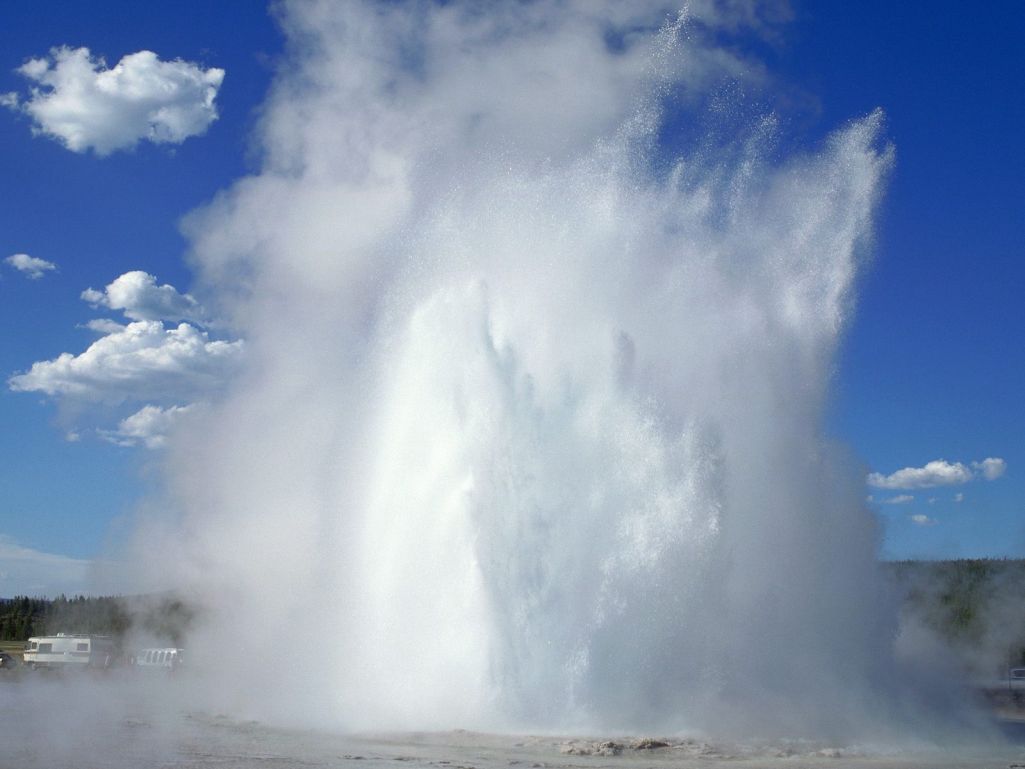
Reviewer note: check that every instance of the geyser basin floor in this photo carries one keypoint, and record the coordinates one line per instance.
(212, 741)
(145, 724)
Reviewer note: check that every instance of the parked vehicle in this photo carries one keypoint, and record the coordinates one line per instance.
(165, 659)
(63, 651)
(1015, 684)
(8, 661)
(1007, 686)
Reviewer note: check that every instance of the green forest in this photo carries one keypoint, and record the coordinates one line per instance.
(162, 617)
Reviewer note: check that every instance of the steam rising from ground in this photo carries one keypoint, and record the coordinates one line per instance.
(530, 434)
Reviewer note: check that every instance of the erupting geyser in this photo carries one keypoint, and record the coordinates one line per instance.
(530, 434)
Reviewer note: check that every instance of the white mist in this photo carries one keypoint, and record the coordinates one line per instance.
(531, 430)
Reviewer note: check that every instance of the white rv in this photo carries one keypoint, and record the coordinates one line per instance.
(167, 659)
(69, 651)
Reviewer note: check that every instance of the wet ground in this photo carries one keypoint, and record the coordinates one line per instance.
(80, 724)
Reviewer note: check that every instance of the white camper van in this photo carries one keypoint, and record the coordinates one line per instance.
(69, 651)
(167, 659)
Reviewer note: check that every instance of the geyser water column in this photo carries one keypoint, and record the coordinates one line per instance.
(530, 434)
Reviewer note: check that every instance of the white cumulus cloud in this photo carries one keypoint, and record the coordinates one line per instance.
(138, 296)
(148, 426)
(921, 519)
(147, 372)
(991, 468)
(142, 361)
(78, 101)
(939, 472)
(31, 266)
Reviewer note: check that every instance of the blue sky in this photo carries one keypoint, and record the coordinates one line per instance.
(96, 218)
(932, 368)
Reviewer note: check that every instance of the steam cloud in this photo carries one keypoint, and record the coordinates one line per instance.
(529, 433)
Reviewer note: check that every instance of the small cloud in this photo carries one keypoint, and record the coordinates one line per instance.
(932, 500)
(900, 499)
(923, 520)
(939, 472)
(991, 468)
(84, 105)
(138, 296)
(149, 426)
(30, 266)
(959, 497)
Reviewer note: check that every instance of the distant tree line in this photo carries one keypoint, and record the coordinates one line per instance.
(20, 616)
(157, 616)
(977, 606)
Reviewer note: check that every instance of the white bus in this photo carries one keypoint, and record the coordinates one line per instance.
(69, 651)
(166, 659)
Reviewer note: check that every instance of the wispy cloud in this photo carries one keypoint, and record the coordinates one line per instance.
(148, 426)
(900, 499)
(921, 519)
(84, 105)
(24, 571)
(30, 266)
(939, 472)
